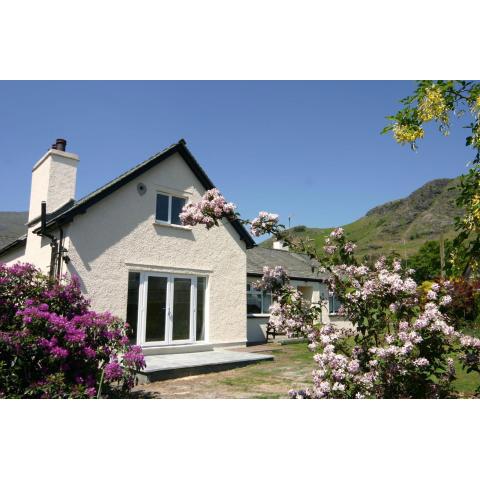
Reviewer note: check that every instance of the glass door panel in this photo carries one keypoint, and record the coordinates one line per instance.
(156, 309)
(181, 309)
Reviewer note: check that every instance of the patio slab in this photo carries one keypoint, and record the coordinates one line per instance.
(175, 365)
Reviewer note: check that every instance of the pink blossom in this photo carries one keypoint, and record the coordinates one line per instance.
(337, 233)
(208, 211)
(264, 223)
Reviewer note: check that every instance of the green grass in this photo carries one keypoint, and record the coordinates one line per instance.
(292, 368)
(467, 383)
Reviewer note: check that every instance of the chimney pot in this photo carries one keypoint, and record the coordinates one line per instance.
(60, 144)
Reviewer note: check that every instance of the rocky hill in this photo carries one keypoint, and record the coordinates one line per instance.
(401, 225)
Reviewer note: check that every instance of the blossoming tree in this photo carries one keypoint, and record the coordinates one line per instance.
(402, 343)
(53, 346)
(437, 102)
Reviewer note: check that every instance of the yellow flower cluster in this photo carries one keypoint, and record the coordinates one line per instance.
(471, 220)
(476, 136)
(407, 133)
(433, 106)
(476, 207)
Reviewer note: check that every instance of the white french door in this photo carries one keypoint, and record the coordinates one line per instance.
(167, 309)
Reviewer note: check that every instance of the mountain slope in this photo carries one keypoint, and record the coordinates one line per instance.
(401, 225)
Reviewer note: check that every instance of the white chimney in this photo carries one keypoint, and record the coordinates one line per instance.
(279, 245)
(54, 179)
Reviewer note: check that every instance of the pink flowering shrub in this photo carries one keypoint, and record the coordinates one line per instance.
(264, 223)
(273, 278)
(208, 211)
(289, 312)
(402, 343)
(213, 207)
(53, 346)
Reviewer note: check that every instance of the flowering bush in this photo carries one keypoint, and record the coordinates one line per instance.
(464, 307)
(290, 312)
(402, 343)
(436, 101)
(53, 346)
(208, 211)
(272, 279)
(264, 223)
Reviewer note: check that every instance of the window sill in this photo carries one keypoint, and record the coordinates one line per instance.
(171, 225)
(258, 315)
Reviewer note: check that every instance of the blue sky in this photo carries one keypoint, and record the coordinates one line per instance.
(307, 149)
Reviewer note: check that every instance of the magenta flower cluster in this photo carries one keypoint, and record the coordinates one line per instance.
(52, 345)
(208, 211)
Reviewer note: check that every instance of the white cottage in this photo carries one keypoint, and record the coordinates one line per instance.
(181, 288)
(304, 274)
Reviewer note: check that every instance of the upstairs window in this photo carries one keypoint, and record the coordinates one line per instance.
(169, 208)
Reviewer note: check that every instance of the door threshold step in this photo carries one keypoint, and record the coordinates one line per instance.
(177, 349)
(162, 367)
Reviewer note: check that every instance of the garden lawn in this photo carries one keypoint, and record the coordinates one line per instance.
(292, 368)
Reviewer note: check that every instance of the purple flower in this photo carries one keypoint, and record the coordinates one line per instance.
(89, 352)
(113, 371)
(59, 352)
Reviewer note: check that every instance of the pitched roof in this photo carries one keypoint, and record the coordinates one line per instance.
(66, 213)
(12, 225)
(297, 265)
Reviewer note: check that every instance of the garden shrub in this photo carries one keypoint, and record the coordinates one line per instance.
(465, 305)
(403, 343)
(53, 346)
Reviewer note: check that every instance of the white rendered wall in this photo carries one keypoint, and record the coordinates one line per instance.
(13, 256)
(119, 234)
(54, 179)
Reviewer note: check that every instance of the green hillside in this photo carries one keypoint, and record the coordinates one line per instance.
(401, 225)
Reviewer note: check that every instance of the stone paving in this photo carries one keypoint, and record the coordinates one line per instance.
(181, 364)
(197, 359)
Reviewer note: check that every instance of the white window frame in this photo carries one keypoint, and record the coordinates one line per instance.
(262, 293)
(334, 300)
(142, 310)
(170, 196)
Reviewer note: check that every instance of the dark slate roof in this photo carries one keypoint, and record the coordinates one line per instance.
(64, 215)
(297, 265)
(16, 243)
(12, 225)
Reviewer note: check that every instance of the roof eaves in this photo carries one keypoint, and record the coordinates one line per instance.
(16, 243)
(180, 147)
(292, 277)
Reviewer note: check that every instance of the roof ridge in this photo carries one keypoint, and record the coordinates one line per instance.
(180, 147)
